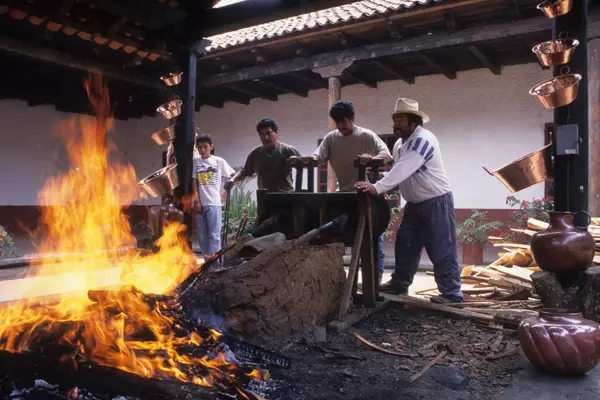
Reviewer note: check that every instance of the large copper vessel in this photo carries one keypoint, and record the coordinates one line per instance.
(558, 91)
(528, 170)
(561, 342)
(563, 248)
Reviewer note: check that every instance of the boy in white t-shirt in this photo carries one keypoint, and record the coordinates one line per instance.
(209, 174)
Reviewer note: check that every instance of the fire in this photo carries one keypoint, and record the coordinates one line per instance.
(105, 313)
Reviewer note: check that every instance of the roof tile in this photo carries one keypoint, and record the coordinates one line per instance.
(356, 11)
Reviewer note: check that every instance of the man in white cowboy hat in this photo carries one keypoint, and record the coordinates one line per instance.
(428, 218)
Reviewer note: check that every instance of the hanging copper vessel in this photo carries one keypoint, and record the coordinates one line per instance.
(555, 52)
(171, 109)
(558, 91)
(172, 79)
(555, 8)
(164, 136)
(161, 182)
(528, 170)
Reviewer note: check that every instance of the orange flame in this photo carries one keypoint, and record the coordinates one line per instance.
(116, 325)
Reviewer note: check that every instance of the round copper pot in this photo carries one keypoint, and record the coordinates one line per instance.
(164, 136)
(159, 215)
(561, 342)
(555, 8)
(555, 52)
(172, 79)
(161, 182)
(558, 91)
(171, 109)
(563, 248)
(528, 170)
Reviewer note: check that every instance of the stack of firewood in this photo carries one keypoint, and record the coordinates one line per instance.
(509, 277)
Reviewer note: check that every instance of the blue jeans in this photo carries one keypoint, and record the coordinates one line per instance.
(208, 229)
(381, 255)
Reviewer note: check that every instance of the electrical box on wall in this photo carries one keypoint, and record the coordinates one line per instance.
(567, 140)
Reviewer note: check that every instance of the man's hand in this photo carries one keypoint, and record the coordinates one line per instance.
(229, 185)
(364, 158)
(366, 187)
(196, 206)
(294, 159)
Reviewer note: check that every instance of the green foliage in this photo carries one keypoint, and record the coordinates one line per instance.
(7, 244)
(241, 207)
(517, 219)
(476, 228)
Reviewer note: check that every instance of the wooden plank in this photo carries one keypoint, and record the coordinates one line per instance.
(448, 72)
(522, 274)
(383, 49)
(485, 60)
(367, 256)
(358, 238)
(427, 305)
(537, 224)
(355, 317)
(394, 71)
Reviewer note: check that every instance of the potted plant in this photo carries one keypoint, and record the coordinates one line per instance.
(472, 233)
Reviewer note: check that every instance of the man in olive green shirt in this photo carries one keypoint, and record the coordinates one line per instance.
(268, 161)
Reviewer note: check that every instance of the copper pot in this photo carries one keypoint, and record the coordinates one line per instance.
(161, 182)
(558, 91)
(172, 79)
(563, 248)
(164, 136)
(171, 109)
(561, 342)
(555, 52)
(159, 215)
(555, 8)
(526, 171)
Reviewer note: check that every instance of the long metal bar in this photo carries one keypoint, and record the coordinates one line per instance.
(571, 172)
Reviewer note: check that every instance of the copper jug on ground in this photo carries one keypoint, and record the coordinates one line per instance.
(561, 342)
(563, 248)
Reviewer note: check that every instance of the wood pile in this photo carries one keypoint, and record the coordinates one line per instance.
(509, 277)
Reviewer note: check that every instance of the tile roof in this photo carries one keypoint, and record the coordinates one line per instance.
(357, 11)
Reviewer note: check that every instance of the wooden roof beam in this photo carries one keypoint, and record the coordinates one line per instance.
(446, 71)
(66, 60)
(389, 48)
(318, 82)
(361, 78)
(152, 14)
(394, 71)
(252, 93)
(282, 88)
(485, 60)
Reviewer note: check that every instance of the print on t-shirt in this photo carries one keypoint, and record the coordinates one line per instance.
(207, 174)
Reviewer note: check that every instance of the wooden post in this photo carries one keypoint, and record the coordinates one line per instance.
(335, 95)
(332, 73)
(185, 130)
(594, 125)
(571, 172)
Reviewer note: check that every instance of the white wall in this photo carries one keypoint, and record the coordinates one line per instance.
(31, 151)
(479, 119)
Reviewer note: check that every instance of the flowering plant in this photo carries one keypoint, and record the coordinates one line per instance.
(476, 228)
(7, 244)
(535, 208)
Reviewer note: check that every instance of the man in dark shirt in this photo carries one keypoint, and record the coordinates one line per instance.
(268, 161)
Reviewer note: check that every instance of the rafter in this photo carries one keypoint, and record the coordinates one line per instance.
(252, 93)
(444, 70)
(485, 60)
(318, 82)
(361, 78)
(282, 88)
(393, 70)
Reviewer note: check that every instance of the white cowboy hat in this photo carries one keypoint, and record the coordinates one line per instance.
(409, 106)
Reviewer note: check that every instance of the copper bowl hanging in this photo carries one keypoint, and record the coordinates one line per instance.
(164, 136)
(527, 171)
(555, 8)
(172, 79)
(558, 91)
(171, 109)
(555, 52)
(161, 182)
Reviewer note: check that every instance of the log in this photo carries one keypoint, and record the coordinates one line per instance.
(549, 289)
(445, 309)
(284, 290)
(589, 299)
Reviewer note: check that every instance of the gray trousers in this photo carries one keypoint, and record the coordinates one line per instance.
(430, 224)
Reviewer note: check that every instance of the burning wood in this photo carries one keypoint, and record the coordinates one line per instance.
(110, 314)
